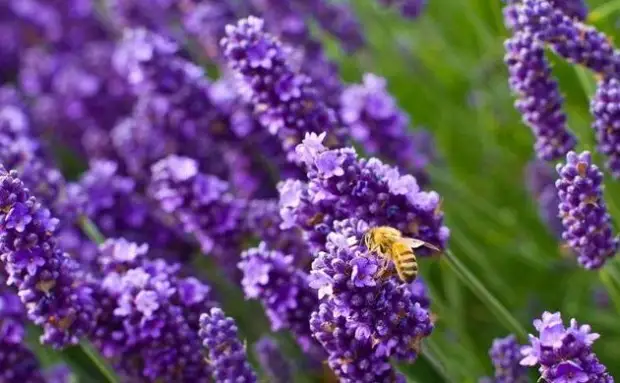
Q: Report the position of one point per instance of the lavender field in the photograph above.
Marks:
(190, 189)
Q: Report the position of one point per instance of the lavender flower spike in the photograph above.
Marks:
(18, 364)
(363, 320)
(569, 38)
(564, 354)
(285, 102)
(605, 107)
(45, 277)
(273, 362)
(538, 97)
(342, 186)
(587, 224)
(226, 353)
(505, 354)
(284, 292)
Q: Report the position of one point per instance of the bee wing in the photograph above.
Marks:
(416, 243)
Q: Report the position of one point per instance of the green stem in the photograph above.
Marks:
(91, 230)
(469, 279)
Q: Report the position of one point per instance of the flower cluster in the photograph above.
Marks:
(18, 364)
(587, 226)
(149, 321)
(284, 101)
(375, 121)
(202, 204)
(569, 38)
(605, 107)
(363, 319)
(342, 186)
(564, 354)
(226, 354)
(539, 99)
(112, 201)
(505, 354)
(271, 277)
(76, 96)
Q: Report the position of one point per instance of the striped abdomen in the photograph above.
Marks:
(405, 262)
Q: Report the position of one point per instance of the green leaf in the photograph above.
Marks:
(469, 279)
(603, 11)
(88, 365)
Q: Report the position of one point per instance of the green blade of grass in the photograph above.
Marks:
(469, 279)
(603, 11)
(91, 230)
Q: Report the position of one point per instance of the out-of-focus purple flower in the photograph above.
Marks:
(289, 23)
(564, 354)
(587, 224)
(205, 20)
(21, 150)
(264, 221)
(337, 19)
(342, 186)
(363, 324)
(58, 374)
(538, 97)
(46, 278)
(18, 364)
(540, 181)
(149, 321)
(155, 15)
(605, 107)
(383, 129)
(284, 101)
(272, 360)
(408, 8)
(226, 353)
(77, 97)
(12, 317)
(202, 204)
(112, 202)
(576, 42)
(505, 354)
(271, 277)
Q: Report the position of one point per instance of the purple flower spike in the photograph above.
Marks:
(568, 37)
(202, 204)
(226, 353)
(273, 362)
(605, 107)
(382, 127)
(284, 292)
(46, 278)
(410, 9)
(564, 354)
(149, 321)
(587, 224)
(284, 101)
(363, 319)
(342, 186)
(505, 355)
(538, 97)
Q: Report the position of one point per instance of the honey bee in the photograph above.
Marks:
(390, 244)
